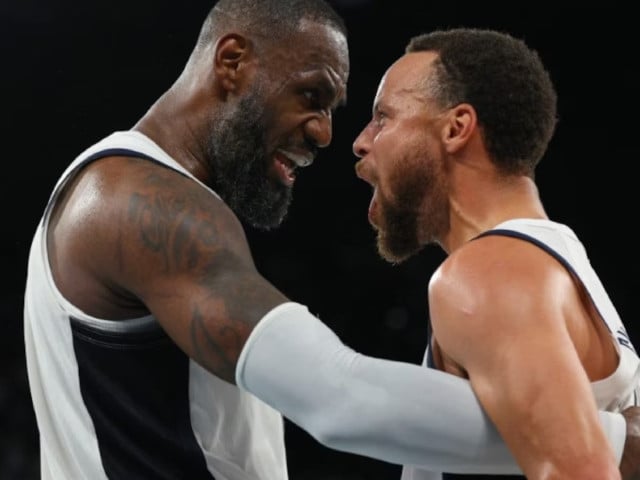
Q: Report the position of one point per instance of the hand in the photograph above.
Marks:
(630, 463)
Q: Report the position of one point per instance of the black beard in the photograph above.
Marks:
(240, 163)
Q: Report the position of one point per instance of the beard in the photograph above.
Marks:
(398, 235)
(417, 216)
(240, 160)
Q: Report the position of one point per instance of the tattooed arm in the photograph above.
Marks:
(164, 245)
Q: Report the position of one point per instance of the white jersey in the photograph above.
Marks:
(619, 390)
(118, 399)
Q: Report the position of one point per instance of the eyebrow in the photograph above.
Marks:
(376, 107)
(329, 88)
(329, 81)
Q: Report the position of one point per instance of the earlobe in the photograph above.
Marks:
(460, 126)
(231, 52)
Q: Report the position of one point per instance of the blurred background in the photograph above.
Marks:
(74, 71)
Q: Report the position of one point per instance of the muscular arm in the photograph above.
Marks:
(136, 238)
(189, 262)
(503, 319)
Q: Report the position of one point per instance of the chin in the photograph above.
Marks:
(396, 250)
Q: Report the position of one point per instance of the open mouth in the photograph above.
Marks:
(284, 169)
(286, 163)
(373, 210)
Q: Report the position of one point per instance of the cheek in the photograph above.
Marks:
(414, 172)
(403, 157)
(397, 177)
(410, 155)
(283, 130)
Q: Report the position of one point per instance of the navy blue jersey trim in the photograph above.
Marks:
(151, 334)
(117, 152)
(530, 239)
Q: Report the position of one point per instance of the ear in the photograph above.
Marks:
(460, 125)
(232, 55)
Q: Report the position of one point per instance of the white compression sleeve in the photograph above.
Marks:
(393, 411)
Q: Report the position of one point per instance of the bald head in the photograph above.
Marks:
(273, 21)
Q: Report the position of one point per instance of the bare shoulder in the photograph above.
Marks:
(510, 263)
(131, 237)
(123, 222)
(151, 198)
(497, 277)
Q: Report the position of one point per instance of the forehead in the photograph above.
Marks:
(406, 76)
(315, 47)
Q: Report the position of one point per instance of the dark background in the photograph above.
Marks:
(74, 71)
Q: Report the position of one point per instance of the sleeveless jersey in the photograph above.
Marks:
(616, 392)
(118, 399)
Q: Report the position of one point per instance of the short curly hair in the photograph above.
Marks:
(506, 83)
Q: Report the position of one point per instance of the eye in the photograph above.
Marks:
(320, 98)
(312, 96)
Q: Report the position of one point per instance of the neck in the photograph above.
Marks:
(482, 207)
(170, 123)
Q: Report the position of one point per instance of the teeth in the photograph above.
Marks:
(299, 160)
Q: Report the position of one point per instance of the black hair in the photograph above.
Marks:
(506, 83)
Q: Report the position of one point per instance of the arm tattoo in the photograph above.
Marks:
(178, 224)
(207, 348)
(164, 228)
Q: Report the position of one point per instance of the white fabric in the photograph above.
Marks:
(622, 388)
(240, 436)
(68, 445)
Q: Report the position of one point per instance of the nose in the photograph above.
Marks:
(361, 144)
(319, 129)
